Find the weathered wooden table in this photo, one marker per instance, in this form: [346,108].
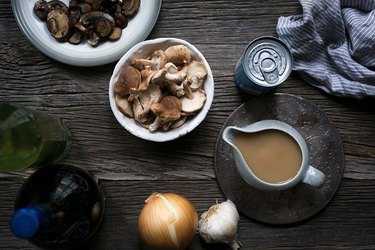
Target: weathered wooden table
[131,169]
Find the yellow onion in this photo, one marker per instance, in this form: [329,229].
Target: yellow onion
[167,221]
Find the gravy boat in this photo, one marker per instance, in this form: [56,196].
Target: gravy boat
[306,173]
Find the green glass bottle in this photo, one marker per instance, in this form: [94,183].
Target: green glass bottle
[29,138]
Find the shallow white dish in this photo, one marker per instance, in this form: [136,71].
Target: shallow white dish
[143,50]
[139,27]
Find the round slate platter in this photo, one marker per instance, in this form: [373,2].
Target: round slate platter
[326,154]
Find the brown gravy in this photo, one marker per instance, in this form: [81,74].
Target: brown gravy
[272,155]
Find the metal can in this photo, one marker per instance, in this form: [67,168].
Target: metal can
[265,63]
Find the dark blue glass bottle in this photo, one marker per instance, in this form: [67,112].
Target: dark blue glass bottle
[58,207]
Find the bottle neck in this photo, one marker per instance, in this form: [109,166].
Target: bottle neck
[27,221]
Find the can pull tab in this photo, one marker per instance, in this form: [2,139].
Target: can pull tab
[268,67]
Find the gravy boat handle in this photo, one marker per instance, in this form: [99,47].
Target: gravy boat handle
[314,177]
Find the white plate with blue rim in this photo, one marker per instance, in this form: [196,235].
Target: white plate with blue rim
[139,27]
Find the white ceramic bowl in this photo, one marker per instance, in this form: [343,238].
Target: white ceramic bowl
[143,50]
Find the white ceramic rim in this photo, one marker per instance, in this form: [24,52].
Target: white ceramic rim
[161,136]
[139,27]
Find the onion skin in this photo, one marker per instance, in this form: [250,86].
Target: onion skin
[167,222]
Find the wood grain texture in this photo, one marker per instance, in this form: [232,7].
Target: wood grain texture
[131,168]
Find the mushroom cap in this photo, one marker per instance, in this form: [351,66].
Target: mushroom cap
[124,106]
[129,78]
[168,109]
[195,103]
[160,58]
[178,54]
[196,72]
[152,95]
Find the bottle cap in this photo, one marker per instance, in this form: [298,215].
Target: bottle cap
[26,222]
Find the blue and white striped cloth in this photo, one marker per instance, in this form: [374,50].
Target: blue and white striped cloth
[333,45]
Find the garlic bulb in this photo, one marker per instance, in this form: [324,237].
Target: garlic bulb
[219,224]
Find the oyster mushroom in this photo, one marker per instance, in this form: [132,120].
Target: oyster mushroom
[172,78]
[130,7]
[129,78]
[178,123]
[124,106]
[168,109]
[147,72]
[146,82]
[58,25]
[156,61]
[195,103]
[187,90]
[173,74]
[142,104]
[178,54]
[196,74]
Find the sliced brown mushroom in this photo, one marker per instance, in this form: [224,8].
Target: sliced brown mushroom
[58,5]
[116,34]
[96,4]
[100,22]
[130,7]
[96,20]
[85,8]
[76,38]
[178,54]
[124,106]
[58,24]
[129,78]
[120,20]
[194,104]
[168,109]
[74,15]
[93,39]
[41,9]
